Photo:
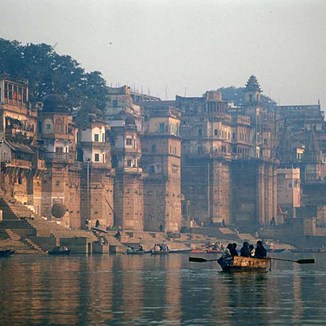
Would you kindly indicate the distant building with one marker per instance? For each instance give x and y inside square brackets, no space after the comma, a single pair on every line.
[288,191]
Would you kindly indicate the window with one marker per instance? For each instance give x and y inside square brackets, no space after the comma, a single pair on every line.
[129,141]
[97,157]
[48,127]
[59,149]
[200,132]
[96,137]
[161,127]
[215,132]
[115,103]
[129,163]
[250,97]
[153,148]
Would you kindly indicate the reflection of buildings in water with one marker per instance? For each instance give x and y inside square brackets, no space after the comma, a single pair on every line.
[98,288]
[131,288]
[243,292]
[297,298]
[43,298]
[173,290]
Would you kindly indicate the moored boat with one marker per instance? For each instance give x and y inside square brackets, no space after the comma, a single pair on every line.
[244,264]
[159,252]
[59,251]
[206,251]
[136,252]
[180,251]
[6,252]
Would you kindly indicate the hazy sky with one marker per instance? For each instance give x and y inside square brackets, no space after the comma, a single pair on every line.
[184,47]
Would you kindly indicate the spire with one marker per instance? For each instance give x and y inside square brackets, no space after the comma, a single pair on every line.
[252,84]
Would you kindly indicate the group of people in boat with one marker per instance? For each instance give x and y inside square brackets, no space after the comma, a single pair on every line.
[131,249]
[247,250]
[161,247]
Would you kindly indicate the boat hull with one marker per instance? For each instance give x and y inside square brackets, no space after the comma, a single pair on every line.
[137,252]
[59,251]
[245,264]
[6,253]
[160,252]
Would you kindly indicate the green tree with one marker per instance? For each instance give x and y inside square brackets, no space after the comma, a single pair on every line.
[48,72]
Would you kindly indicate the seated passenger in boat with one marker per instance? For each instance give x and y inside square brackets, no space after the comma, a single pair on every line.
[164,247]
[226,259]
[140,248]
[130,249]
[260,251]
[233,249]
[252,251]
[245,251]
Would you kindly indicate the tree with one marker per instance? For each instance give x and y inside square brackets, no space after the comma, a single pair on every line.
[48,72]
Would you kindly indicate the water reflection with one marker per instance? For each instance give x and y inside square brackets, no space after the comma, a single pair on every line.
[167,290]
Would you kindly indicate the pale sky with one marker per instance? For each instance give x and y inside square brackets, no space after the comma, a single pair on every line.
[184,47]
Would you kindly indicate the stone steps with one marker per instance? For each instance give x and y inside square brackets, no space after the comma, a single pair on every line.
[33,245]
[12,235]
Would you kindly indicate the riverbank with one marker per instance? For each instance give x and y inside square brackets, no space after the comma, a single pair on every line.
[105,242]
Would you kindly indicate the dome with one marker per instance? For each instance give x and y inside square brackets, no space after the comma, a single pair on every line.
[54,103]
[58,210]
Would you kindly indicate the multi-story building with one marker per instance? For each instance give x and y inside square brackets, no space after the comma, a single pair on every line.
[21,165]
[161,161]
[206,130]
[97,204]
[61,181]
[126,122]
[254,181]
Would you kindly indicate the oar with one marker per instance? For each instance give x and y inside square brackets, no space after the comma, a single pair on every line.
[300,261]
[200,260]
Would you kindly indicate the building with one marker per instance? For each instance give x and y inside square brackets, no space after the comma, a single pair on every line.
[126,122]
[97,174]
[161,162]
[21,164]
[61,181]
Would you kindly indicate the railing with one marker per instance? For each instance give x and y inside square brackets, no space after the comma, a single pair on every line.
[60,157]
[18,163]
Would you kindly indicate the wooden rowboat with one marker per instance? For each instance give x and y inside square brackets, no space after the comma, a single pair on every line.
[245,264]
[6,253]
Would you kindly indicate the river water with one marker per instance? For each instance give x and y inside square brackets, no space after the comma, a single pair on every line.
[158,290]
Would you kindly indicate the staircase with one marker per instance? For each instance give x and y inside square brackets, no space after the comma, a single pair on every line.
[15,214]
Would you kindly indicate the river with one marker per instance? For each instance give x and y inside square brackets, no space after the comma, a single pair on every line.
[158,290]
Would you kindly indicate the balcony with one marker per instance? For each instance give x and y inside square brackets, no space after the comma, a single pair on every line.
[129,170]
[60,157]
[104,166]
[18,163]
[58,136]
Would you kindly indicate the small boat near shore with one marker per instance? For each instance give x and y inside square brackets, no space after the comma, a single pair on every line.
[59,251]
[180,251]
[308,250]
[6,252]
[206,251]
[136,252]
[159,252]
